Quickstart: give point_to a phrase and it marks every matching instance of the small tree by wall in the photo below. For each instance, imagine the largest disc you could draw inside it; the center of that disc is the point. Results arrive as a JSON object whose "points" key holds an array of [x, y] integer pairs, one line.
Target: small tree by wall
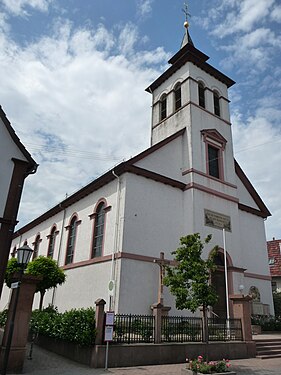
{"points": [[46, 267], [189, 280]]}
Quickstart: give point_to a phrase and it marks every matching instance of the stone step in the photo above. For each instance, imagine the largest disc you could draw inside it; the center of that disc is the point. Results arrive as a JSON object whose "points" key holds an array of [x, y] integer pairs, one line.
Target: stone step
{"points": [[269, 346], [269, 352], [267, 349], [273, 341], [269, 356]]}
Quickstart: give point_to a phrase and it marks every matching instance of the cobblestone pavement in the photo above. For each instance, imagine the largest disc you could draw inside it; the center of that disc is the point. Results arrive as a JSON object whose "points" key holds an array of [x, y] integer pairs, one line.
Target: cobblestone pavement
{"points": [[46, 363]]}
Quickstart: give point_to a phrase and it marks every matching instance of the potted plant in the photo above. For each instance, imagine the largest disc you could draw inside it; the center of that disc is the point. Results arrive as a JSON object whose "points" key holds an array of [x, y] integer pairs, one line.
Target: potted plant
{"points": [[200, 366]]}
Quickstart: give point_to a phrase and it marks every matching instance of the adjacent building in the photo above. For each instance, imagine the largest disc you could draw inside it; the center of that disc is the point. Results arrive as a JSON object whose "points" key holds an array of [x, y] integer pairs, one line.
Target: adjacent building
{"points": [[274, 261], [15, 165]]}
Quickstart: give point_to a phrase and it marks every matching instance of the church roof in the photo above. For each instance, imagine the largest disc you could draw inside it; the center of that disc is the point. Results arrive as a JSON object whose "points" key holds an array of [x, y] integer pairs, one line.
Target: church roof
{"points": [[32, 164], [189, 53]]}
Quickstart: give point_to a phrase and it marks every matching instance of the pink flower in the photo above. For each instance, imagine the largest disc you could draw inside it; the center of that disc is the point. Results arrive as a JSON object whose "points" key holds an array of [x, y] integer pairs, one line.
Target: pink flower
{"points": [[200, 357], [228, 365]]}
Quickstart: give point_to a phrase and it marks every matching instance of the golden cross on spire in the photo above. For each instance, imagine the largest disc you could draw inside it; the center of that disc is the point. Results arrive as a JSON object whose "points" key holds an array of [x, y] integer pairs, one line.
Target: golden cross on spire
{"points": [[185, 11]]}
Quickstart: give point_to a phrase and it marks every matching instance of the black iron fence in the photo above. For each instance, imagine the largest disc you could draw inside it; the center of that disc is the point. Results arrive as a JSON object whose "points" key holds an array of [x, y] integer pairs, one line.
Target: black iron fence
{"points": [[129, 329], [181, 329], [132, 329], [224, 330]]}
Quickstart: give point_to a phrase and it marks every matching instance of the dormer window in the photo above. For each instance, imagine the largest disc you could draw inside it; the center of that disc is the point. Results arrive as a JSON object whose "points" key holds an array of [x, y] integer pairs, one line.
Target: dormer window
{"points": [[163, 107], [201, 94], [177, 96], [216, 98]]}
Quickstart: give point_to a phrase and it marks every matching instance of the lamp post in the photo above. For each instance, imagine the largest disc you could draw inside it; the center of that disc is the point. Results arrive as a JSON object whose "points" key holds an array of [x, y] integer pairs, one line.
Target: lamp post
{"points": [[23, 257]]}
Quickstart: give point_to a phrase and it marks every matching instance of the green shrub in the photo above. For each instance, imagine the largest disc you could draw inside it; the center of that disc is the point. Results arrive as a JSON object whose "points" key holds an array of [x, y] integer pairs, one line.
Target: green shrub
{"points": [[3, 317], [76, 325], [267, 323], [277, 303]]}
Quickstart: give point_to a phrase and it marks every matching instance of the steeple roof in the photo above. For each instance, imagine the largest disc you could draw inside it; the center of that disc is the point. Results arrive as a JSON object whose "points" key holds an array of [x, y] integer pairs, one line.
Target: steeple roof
{"points": [[189, 53], [186, 39]]}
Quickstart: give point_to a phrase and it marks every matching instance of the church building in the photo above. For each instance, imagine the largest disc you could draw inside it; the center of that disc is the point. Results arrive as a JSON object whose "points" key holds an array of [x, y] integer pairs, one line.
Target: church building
{"points": [[112, 231]]}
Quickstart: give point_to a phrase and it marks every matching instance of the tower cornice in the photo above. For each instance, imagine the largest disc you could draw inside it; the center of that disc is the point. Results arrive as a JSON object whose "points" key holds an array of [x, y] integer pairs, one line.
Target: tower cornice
{"points": [[189, 53]]}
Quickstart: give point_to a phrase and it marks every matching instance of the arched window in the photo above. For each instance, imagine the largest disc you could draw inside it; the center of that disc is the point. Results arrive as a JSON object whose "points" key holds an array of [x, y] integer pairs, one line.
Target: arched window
{"points": [[201, 94], [36, 246], [98, 230], [51, 246], [177, 95], [71, 240], [217, 110], [163, 107]]}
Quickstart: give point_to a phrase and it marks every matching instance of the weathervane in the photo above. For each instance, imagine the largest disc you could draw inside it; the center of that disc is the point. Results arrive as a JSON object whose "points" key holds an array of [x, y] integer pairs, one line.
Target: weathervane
{"points": [[185, 11]]}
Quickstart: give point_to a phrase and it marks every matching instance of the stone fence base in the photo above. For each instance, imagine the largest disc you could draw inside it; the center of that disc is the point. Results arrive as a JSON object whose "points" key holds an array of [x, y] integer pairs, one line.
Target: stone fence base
{"points": [[124, 355]]}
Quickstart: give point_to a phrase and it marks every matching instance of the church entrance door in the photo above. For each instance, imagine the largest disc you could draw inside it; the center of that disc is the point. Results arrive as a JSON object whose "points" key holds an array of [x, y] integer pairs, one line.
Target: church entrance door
{"points": [[218, 281]]}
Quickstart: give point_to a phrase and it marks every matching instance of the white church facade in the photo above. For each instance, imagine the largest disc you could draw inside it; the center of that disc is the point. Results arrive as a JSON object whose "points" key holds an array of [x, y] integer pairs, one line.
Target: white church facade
{"points": [[187, 182]]}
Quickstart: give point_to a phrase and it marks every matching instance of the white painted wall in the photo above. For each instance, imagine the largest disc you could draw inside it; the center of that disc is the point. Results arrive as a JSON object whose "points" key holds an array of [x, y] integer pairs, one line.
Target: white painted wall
{"points": [[176, 159], [153, 217]]}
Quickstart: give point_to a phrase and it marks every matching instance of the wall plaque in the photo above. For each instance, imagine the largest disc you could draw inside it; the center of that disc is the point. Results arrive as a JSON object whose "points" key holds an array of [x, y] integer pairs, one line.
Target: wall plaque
{"points": [[217, 220]]}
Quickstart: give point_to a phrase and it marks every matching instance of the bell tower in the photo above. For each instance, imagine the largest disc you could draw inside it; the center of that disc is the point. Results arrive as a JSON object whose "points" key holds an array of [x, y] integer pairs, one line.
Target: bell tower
{"points": [[193, 95]]}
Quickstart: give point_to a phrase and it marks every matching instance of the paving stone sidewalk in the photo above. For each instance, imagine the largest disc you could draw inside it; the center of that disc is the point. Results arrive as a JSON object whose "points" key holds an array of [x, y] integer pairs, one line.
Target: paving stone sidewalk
{"points": [[47, 363]]}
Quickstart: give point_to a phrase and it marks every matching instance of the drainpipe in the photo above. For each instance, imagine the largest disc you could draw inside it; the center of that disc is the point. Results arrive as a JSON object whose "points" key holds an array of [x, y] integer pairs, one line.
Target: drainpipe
{"points": [[115, 243], [59, 252]]}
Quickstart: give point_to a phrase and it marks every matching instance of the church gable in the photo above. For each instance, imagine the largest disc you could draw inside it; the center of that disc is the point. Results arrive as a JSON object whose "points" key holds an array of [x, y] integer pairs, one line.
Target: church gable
{"points": [[249, 200], [168, 160]]}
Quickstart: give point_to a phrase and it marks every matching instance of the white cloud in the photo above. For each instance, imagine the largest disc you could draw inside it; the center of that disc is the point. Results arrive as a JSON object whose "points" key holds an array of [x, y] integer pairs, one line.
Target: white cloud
{"points": [[73, 95], [257, 144], [243, 16], [144, 7], [127, 39], [276, 14], [18, 7], [253, 48]]}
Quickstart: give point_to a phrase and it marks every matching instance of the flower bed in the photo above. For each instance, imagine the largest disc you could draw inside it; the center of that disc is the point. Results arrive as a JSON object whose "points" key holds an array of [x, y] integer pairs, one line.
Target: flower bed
{"points": [[200, 366], [190, 372]]}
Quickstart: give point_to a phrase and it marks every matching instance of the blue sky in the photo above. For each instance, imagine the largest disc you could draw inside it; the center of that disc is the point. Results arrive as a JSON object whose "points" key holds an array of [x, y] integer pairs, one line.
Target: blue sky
{"points": [[73, 74]]}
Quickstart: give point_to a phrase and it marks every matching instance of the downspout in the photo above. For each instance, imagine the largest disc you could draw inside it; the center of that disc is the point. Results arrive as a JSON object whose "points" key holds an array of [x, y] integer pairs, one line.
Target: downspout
{"points": [[59, 252], [115, 243]]}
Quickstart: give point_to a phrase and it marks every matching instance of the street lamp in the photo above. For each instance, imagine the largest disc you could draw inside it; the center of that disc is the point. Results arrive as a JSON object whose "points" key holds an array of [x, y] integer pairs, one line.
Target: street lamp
{"points": [[23, 257]]}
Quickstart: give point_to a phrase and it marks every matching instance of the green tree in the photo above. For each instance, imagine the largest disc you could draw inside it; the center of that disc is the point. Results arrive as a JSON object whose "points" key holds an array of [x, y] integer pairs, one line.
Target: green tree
{"points": [[12, 267], [46, 267], [189, 280], [52, 274]]}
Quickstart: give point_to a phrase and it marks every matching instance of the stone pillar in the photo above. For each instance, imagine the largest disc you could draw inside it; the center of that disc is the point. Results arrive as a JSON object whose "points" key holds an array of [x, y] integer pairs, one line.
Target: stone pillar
{"points": [[242, 310], [21, 323], [100, 303], [157, 313]]}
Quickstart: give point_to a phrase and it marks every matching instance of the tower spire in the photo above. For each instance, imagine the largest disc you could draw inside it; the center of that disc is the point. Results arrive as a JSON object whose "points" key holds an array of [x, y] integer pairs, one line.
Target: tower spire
{"points": [[186, 39]]}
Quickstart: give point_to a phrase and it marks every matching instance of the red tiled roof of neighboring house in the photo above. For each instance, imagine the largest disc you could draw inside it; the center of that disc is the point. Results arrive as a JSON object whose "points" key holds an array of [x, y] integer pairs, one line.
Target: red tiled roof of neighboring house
{"points": [[274, 257]]}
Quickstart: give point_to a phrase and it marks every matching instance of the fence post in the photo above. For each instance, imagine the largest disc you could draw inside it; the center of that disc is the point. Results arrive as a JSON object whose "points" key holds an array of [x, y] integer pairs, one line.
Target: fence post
{"points": [[241, 310], [157, 313], [100, 303]]}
